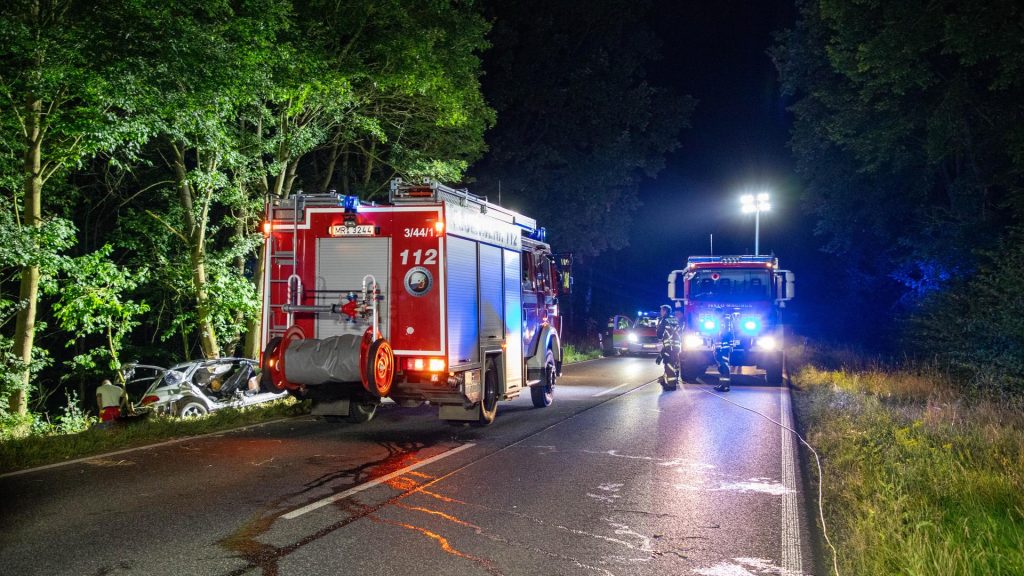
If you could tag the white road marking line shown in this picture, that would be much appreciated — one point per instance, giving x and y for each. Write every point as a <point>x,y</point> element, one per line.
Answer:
<point>792,563</point>
<point>374,482</point>
<point>610,390</point>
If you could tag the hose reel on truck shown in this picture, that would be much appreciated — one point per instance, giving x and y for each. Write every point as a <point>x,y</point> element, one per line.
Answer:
<point>369,359</point>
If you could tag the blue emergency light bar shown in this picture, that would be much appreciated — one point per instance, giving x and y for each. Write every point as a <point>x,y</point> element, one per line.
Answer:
<point>731,260</point>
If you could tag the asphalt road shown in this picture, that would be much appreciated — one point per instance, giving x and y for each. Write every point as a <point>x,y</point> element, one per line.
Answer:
<point>616,477</point>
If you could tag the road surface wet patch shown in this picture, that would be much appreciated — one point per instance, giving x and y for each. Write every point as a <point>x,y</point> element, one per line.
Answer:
<point>245,542</point>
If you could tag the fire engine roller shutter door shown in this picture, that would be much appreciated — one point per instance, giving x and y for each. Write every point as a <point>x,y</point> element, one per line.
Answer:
<point>341,265</point>
<point>513,320</point>
<point>492,317</point>
<point>463,315</point>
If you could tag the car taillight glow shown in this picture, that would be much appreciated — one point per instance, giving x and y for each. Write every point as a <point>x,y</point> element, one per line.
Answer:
<point>149,400</point>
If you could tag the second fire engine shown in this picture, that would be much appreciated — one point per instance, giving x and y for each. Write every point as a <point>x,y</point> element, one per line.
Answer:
<point>437,296</point>
<point>732,307</point>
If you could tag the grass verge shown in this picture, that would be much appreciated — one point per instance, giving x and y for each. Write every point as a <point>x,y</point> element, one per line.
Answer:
<point>571,354</point>
<point>919,479</point>
<point>38,450</point>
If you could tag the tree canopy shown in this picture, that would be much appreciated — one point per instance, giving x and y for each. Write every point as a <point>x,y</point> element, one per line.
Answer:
<point>908,136</point>
<point>143,137</point>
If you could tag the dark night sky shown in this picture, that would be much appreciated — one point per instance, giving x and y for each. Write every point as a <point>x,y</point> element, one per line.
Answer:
<point>717,53</point>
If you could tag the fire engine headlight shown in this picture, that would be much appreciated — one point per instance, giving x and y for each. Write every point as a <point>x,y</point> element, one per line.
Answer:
<point>750,325</point>
<point>632,338</point>
<point>767,343</point>
<point>693,341</point>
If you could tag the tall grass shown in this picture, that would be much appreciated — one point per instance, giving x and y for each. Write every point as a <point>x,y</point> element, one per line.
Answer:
<point>918,478</point>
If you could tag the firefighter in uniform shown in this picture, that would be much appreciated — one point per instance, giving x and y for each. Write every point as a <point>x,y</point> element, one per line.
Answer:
<point>722,352</point>
<point>110,399</point>
<point>667,331</point>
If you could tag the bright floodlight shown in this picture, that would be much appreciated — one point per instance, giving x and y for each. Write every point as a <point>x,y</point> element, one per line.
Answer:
<point>756,204</point>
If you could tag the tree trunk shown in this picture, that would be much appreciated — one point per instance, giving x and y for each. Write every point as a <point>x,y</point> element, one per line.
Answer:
<point>368,173</point>
<point>344,170</point>
<point>196,228</point>
<point>25,326</point>
<point>332,160</point>
<point>254,332</point>
<point>207,334</point>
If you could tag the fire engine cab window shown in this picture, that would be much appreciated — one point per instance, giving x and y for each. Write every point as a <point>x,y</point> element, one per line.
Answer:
<point>729,284</point>
<point>623,323</point>
<point>528,279</point>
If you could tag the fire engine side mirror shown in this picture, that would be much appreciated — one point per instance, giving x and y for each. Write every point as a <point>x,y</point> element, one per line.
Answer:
<point>786,283</point>
<point>674,280</point>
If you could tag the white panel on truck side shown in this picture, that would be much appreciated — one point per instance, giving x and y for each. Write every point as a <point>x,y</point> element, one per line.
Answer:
<point>341,265</point>
<point>463,314</point>
<point>492,313</point>
<point>513,319</point>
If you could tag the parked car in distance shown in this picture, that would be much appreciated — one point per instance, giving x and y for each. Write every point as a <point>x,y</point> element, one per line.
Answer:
<point>625,335</point>
<point>642,337</point>
<point>198,387</point>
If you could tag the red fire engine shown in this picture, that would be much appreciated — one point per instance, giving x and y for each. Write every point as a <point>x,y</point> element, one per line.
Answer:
<point>732,306</point>
<point>437,296</point>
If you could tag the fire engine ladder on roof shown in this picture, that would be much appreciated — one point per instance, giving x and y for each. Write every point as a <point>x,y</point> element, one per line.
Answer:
<point>288,261</point>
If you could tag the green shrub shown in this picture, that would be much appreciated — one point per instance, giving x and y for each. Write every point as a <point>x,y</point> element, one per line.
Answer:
<point>976,326</point>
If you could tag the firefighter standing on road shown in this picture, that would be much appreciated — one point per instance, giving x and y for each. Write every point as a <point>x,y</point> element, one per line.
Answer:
<point>666,331</point>
<point>110,398</point>
<point>723,351</point>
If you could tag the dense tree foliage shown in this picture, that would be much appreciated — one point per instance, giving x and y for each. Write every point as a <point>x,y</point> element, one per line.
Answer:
<point>909,137</point>
<point>142,138</point>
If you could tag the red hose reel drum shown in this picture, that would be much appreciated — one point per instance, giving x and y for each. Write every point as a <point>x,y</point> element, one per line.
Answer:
<point>376,364</point>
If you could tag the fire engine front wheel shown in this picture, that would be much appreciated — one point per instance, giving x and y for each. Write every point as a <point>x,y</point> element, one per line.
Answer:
<point>773,370</point>
<point>543,393</point>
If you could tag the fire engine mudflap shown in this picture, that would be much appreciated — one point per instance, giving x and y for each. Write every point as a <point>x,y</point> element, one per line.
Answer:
<point>436,296</point>
<point>732,306</point>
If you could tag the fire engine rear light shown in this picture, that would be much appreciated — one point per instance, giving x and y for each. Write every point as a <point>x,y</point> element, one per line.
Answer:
<point>439,226</point>
<point>149,400</point>
<point>425,364</point>
<point>268,226</point>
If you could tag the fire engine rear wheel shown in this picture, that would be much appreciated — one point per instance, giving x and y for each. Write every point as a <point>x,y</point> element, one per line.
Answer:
<point>543,393</point>
<point>361,410</point>
<point>489,398</point>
